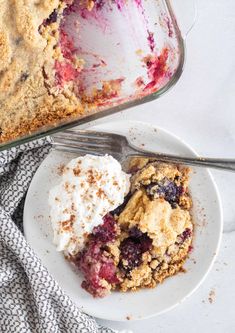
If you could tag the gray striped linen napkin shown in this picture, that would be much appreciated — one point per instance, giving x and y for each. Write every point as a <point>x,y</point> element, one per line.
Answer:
<point>30,299</point>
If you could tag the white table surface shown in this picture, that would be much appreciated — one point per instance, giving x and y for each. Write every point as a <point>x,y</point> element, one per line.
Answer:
<point>200,109</point>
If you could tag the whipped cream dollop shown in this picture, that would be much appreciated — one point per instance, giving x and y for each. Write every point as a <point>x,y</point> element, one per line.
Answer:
<point>91,186</point>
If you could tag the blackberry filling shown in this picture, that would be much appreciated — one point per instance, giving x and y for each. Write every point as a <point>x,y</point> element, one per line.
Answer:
<point>99,4</point>
<point>166,189</point>
<point>96,266</point>
<point>132,248</point>
<point>131,254</point>
<point>94,261</point>
<point>52,18</point>
<point>107,231</point>
<point>186,234</point>
<point>24,76</point>
<point>135,232</point>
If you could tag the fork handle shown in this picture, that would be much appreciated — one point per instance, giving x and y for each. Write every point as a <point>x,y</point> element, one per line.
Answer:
<point>216,163</point>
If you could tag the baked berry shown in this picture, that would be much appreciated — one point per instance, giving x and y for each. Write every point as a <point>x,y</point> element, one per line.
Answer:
<point>166,189</point>
<point>131,252</point>
<point>186,234</point>
<point>145,242</point>
<point>133,247</point>
<point>106,232</point>
<point>24,76</point>
<point>52,18</point>
<point>96,267</point>
<point>135,232</point>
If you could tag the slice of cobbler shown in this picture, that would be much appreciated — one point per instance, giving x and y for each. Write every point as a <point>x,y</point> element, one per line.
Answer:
<point>144,240</point>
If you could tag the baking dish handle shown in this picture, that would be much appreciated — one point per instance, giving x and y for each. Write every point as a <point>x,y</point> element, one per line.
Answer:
<point>186,14</point>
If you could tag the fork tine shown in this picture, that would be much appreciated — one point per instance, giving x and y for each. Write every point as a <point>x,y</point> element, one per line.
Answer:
<point>74,139</point>
<point>80,143</point>
<point>87,147</point>
<point>80,135</point>
<point>90,147</point>
<point>81,151</point>
<point>78,150</point>
<point>84,135</point>
<point>98,134</point>
<point>84,151</point>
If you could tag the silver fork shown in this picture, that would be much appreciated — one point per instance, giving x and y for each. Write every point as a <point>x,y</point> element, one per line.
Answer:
<point>99,143</point>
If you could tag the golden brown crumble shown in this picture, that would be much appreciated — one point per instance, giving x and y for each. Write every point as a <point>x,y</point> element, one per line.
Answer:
<point>28,98</point>
<point>161,221</point>
<point>31,98</point>
<point>156,218</point>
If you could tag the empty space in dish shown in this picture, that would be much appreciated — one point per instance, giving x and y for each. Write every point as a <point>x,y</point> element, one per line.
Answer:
<point>130,49</point>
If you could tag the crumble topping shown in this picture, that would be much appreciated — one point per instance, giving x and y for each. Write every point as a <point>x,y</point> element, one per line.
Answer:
<point>156,218</point>
<point>42,78</point>
<point>144,240</point>
<point>29,98</point>
<point>39,68</point>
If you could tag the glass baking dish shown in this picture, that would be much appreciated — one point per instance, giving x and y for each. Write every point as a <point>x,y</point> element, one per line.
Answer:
<point>133,51</point>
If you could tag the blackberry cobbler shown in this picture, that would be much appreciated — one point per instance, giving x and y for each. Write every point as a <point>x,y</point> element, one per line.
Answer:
<point>42,68</point>
<point>39,66</point>
<point>146,238</point>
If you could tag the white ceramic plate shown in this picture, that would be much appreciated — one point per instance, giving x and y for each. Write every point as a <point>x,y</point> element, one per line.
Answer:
<point>207,214</point>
